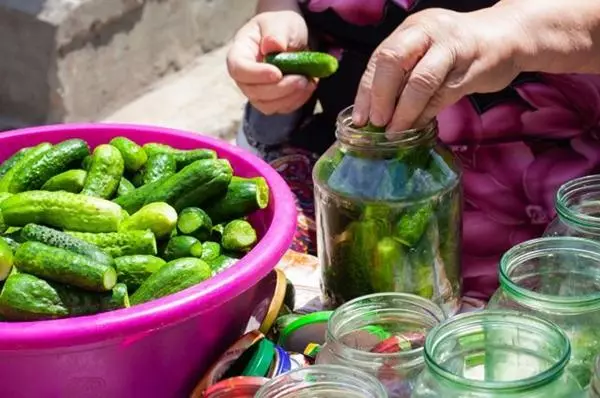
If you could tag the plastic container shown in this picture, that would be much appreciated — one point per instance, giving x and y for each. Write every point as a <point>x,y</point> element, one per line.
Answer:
<point>388,211</point>
<point>497,354</point>
<point>383,335</point>
<point>557,279</point>
<point>158,349</point>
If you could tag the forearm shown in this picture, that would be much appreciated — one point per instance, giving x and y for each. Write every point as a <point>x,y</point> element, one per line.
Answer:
<point>559,36</point>
<point>277,5</point>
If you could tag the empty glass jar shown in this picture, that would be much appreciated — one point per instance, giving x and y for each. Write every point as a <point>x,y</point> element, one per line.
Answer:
<point>388,209</point>
<point>558,279</point>
<point>323,381</point>
<point>493,354</point>
<point>383,335</point>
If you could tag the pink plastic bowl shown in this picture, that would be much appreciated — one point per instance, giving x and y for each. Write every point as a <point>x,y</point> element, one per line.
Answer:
<point>159,349</point>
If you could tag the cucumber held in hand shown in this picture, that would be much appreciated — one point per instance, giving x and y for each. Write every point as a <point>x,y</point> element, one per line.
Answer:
<point>105,172</point>
<point>243,196</point>
<point>238,235</point>
<point>194,221</point>
<point>158,217</point>
<point>182,246</point>
<point>159,165</point>
<point>6,259</point>
<point>119,244</point>
<point>61,210</point>
<point>63,266</point>
<point>134,270</point>
<point>69,181</point>
<point>134,155</point>
<point>174,277</point>
<point>32,155</point>
<point>306,63</point>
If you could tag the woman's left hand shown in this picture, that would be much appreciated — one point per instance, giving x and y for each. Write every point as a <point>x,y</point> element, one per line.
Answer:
<point>432,60</point>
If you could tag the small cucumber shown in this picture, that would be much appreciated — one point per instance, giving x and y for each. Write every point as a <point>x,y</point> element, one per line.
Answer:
<point>134,270</point>
<point>138,179</point>
<point>11,161</point>
<point>306,63</point>
<point>119,244</point>
<point>3,226</point>
<point>125,187</point>
<point>61,210</point>
<point>86,163</point>
<point>210,251</point>
<point>11,242</point>
<point>63,266</point>
<point>54,161</point>
<point>222,263</point>
<point>238,235</point>
<point>69,181</point>
<point>243,197</point>
<point>173,277</point>
<point>54,238</point>
<point>195,222</point>
<point>158,217</point>
<point>133,154</point>
<point>6,259</point>
<point>81,302</point>
<point>27,298</point>
<point>159,165</point>
<point>133,201</point>
<point>181,246</point>
<point>182,157</point>
<point>31,155</point>
<point>105,172</point>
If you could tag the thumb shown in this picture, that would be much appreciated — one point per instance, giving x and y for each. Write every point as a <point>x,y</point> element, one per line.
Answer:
<point>282,33</point>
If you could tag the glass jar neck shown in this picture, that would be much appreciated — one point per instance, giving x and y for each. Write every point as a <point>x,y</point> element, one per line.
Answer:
<point>323,381</point>
<point>578,204</point>
<point>360,324</point>
<point>497,352</point>
<point>534,273</point>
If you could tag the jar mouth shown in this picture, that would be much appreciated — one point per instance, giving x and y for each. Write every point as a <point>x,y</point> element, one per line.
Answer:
<point>408,313</point>
<point>555,273</point>
<point>500,351</point>
<point>578,203</point>
<point>353,136</point>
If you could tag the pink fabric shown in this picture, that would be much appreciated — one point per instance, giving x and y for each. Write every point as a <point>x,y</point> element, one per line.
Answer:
<point>357,12</point>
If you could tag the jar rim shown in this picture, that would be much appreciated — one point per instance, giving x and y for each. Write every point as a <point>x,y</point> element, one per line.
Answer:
<point>520,254</point>
<point>566,195</point>
<point>500,317</point>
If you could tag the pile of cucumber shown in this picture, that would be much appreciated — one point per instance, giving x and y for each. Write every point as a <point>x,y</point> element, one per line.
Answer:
<point>83,233</point>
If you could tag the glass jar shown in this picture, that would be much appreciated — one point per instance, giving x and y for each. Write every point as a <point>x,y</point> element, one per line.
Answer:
<point>594,389</point>
<point>577,205</point>
<point>388,210</point>
<point>382,334</point>
<point>489,354</point>
<point>323,381</point>
<point>558,279</point>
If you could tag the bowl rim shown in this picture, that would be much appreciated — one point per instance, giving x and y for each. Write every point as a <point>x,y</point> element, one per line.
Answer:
<point>138,321</point>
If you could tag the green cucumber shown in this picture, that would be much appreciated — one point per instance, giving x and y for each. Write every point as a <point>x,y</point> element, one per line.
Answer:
<point>33,154</point>
<point>27,298</point>
<point>135,200</point>
<point>86,163</point>
<point>105,172</point>
<point>3,226</point>
<point>54,238</point>
<point>12,242</point>
<point>125,187</point>
<point>183,157</point>
<point>56,160</point>
<point>305,63</point>
<point>238,235</point>
<point>63,266</point>
<point>222,263</point>
<point>69,181</point>
<point>6,259</point>
<point>194,184</point>
<point>81,302</point>
<point>134,270</point>
<point>61,210</point>
<point>133,155</point>
<point>181,246</point>
<point>11,161</point>
<point>138,179</point>
<point>244,196</point>
<point>159,165</point>
<point>173,277</point>
<point>210,251</point>
<point>158,217</point>
<point>194,221</point>
<point>119,244</point>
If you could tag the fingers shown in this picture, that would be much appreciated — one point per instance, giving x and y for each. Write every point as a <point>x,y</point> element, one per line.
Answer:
<point>286,105</point>
<point>242,61</point>
<point>279,34</point>
<point>453,89</point>
<point>281,89</point>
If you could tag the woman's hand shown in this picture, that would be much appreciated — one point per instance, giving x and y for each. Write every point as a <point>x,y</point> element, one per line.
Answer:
<point>432,60</point>
<point>264,85</point>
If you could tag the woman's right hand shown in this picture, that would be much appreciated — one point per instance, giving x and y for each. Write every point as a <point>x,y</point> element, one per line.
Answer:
<point>264,85</point>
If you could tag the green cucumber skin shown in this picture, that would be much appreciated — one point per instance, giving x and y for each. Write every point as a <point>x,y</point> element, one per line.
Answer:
<point>134,155</point>
<point>134,270</point>
<point>125,187</point>
<point>119,244</point>
<point>11,242</point>
<point>159,165</point>
<point>306,63</point>
<point>134,201</point>
<point>86,163</point>
<point>238,235</point>
<point>63,266</point>
<point>27,298</point>
<point>69,181</point>
<point>105,172</point>
<point>34,153</point>
<point>53,162</point>
<point>183,157</point>
<point>179,247</point>
<point>159,217</point>
<point>243,197</point>
<point>61,210</point>
<point>81,302</point>
<point>54,238</point>
<point>3,226</point>
<point>193,184</point>
<point>11,161</point>
<point>210,251</point>
<point>6,259</point>
<point>195,222</point>
<point>222,263</point>
<point>173,277</point>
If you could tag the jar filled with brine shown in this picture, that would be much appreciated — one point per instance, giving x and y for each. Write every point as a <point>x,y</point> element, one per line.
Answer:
<point>388,209</point>
<point>493,354</point>
<point>557,279</point>
<point>577,204</point>
<point>594,389</point>
<point>323,381</point>
<point>382,334</point>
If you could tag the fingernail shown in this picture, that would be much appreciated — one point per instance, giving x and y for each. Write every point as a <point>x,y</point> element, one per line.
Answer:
<point>376,119</point>
<point>358,118</point>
